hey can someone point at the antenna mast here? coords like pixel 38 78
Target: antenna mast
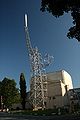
pixel 38 82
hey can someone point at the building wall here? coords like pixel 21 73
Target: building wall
pixel 74 95
pixel 54 94
pixel 67 80
pixel 61 75
pixel 58 83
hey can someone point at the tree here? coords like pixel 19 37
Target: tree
pixel 23 90
pixel 0 93
pixel 59 7
pixel 9 92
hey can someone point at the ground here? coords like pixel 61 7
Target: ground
pixel 8 116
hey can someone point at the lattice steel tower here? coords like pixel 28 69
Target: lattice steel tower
pixel 38 82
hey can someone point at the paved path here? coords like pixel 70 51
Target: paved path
pixel 7 116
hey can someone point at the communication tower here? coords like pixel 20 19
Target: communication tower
pixel 38 82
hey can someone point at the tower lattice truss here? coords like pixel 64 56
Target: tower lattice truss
pixel 38 82
pixel 38 85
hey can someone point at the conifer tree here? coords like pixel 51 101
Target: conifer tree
pixel 23 90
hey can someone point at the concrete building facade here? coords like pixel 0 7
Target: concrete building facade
pixel 58 85
pixel 74 99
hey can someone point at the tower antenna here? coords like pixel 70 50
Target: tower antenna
pixel 38 80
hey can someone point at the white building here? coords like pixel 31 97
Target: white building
pixel 58 83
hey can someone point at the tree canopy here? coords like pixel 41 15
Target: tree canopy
pixel 9 92
pixel 59 7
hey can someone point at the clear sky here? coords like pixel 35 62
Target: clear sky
pixel 46 32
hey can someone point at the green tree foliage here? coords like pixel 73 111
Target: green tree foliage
pixel 0 93
pixel 59 7
pixel 23 90
pixel 0 87
pixel 9 92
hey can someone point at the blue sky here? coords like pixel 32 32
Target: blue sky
pixel 46 32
